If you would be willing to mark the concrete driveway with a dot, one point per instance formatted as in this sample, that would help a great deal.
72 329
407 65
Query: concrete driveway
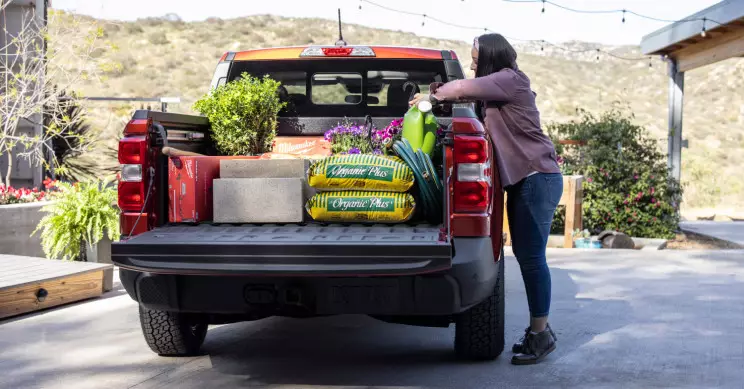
623 320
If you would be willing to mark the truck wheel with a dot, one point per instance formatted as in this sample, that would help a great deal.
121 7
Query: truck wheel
479 331
172 333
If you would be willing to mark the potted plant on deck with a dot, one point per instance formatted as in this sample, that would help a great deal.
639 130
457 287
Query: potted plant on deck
81 216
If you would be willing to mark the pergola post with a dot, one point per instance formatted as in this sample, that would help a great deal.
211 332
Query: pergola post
676 102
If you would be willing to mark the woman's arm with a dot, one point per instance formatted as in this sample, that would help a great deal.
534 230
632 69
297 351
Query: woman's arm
500 86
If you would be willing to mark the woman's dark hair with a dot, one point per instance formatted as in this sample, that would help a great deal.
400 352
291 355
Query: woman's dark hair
494 54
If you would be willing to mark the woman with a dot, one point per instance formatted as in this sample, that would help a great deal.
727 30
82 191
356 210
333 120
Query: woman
528 168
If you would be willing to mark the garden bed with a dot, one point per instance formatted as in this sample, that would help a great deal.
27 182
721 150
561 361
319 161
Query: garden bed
18 222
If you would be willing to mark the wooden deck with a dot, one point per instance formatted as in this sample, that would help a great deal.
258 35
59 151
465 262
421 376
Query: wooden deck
28 284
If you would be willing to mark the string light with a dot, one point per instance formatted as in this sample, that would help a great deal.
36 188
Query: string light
609 11
423 21
623 16
702 33
543 7
487 30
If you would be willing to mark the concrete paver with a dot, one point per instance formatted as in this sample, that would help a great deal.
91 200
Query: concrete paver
624 319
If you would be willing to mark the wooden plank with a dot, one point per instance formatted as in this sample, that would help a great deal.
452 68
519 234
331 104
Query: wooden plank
23 299
574 201
17 270
711 50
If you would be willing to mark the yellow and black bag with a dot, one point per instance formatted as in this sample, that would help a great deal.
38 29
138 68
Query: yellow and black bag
356 207
360 172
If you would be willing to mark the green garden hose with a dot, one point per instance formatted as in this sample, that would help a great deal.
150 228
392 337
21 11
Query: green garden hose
427 180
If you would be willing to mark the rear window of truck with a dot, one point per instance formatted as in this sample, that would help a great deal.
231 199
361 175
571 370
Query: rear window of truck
347 87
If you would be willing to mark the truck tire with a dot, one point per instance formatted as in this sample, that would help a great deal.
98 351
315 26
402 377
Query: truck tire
479 331
172 333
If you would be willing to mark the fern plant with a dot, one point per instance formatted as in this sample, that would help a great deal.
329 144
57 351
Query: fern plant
81 214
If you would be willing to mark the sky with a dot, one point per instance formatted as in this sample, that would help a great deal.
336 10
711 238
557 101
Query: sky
514 20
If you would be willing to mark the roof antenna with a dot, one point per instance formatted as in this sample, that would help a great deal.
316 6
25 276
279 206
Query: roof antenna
340 41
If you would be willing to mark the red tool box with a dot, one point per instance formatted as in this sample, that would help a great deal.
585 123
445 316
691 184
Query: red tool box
190 187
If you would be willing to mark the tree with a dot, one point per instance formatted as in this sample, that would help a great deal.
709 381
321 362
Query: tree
31 73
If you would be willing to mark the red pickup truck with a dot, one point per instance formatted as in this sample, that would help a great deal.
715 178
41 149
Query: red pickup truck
188 276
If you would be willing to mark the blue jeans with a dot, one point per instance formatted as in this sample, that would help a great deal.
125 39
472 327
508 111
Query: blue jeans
530 206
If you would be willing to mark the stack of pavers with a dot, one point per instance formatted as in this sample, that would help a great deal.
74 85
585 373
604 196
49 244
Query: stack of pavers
261 191
361 188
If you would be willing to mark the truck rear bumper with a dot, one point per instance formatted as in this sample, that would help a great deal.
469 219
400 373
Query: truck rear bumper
469 277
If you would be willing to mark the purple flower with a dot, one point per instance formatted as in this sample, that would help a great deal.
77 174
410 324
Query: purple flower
377 151
354 150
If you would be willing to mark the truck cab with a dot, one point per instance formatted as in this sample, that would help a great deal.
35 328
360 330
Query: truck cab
186 276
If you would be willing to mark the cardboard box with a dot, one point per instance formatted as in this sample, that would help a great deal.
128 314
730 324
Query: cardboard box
258 200
190 182
302 145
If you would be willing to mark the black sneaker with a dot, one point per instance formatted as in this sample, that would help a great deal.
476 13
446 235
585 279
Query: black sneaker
535 348
519 346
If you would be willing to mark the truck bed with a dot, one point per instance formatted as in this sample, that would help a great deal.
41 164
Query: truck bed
307 249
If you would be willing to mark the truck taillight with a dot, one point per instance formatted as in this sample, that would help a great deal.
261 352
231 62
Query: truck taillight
472 189
134 159
131 196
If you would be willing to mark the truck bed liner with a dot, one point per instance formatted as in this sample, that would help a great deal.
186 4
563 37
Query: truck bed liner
295 249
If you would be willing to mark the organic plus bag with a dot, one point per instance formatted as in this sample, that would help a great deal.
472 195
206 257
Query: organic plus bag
354 207
360 172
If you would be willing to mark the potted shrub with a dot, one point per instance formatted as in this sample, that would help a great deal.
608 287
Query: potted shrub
81 215
243 114
583 240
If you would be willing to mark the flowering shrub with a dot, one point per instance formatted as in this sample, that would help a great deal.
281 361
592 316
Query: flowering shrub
10 195
350 138
626 185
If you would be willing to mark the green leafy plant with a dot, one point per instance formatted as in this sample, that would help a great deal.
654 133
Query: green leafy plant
581 234
626 185
243 114
81 214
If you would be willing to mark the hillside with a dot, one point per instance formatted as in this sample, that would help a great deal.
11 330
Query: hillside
168 57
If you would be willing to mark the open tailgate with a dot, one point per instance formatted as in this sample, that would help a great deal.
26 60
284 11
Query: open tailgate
282 250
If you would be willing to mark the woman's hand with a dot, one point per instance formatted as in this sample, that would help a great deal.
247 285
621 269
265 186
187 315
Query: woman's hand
419 97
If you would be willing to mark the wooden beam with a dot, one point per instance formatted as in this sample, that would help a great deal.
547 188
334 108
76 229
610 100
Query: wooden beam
573 196
715 49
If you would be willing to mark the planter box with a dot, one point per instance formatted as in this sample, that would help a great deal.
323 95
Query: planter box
17 222
101 253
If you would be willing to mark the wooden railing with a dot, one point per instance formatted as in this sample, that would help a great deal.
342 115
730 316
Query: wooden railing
572 198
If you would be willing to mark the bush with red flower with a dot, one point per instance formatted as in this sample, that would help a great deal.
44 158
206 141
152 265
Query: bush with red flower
11 195
626 187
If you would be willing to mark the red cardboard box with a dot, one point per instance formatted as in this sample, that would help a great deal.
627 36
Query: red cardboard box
302 145
190 187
